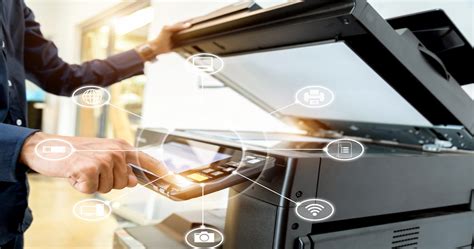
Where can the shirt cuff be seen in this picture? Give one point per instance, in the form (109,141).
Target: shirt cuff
(11,143)
(127,64)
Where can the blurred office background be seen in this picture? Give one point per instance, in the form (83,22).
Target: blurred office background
(166,96)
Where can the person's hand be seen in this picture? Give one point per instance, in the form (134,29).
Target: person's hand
(163,43)
(96,165)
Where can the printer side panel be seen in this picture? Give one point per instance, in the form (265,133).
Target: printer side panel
(257,218)
(250,223)
(389,184)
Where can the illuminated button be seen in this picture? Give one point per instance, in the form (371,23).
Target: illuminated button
(254,161)
(198,177)
(232,164)
(228,169)
(19,122)
(217,173)
(10,83)
(207,171)
(180,181)
(3,44)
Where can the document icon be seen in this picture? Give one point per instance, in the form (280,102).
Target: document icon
(344,150)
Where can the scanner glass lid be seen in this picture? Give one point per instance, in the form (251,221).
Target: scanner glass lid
(360,94)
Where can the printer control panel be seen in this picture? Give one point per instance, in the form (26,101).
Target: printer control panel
(220,170)
(196,168)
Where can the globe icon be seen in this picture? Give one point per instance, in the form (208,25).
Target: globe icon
(92,97)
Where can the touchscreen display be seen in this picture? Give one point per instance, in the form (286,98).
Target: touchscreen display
(179,157)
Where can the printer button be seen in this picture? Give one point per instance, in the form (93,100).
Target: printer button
(228,169)
(232,164)
(255,161)
(198,177)
(217,173)
(207,171)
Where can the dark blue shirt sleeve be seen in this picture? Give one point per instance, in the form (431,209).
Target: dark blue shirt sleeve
(46,69)
(12,139)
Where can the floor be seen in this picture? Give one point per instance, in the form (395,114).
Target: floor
(54,224)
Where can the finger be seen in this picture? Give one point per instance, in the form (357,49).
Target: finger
(84,177)
(148,163)
(106,179)
(72,181)
(177,27)
(120,175)
(132,179)
(120,170)
(84,181)
(88,186)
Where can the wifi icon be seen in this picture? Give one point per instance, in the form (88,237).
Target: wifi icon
(314,209)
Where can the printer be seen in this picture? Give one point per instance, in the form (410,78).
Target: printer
(397,88)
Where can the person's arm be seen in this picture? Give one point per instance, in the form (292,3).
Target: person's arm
(12,139)
(45,68)
(98,165)
(95,165)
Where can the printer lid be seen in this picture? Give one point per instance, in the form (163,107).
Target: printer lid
(397,80)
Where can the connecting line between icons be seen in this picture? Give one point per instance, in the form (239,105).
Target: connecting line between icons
(140,186)
(135,150)
(282,108)
(237,173)
(202,205)
(121,109)
(107,150)
(201,82)
(296,149)
(201,91)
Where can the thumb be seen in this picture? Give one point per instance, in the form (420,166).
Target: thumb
(147,162)
(132,179)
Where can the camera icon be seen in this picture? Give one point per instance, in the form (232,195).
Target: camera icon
(204,237)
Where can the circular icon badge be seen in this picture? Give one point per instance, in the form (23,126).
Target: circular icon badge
(92,209)
(344,149)
(204,237)
(315,210)
(54,149)
(205,63)
(91,96)
(314,96)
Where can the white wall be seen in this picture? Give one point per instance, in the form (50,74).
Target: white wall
(59,19)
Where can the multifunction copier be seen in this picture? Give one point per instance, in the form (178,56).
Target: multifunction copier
(397,89)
